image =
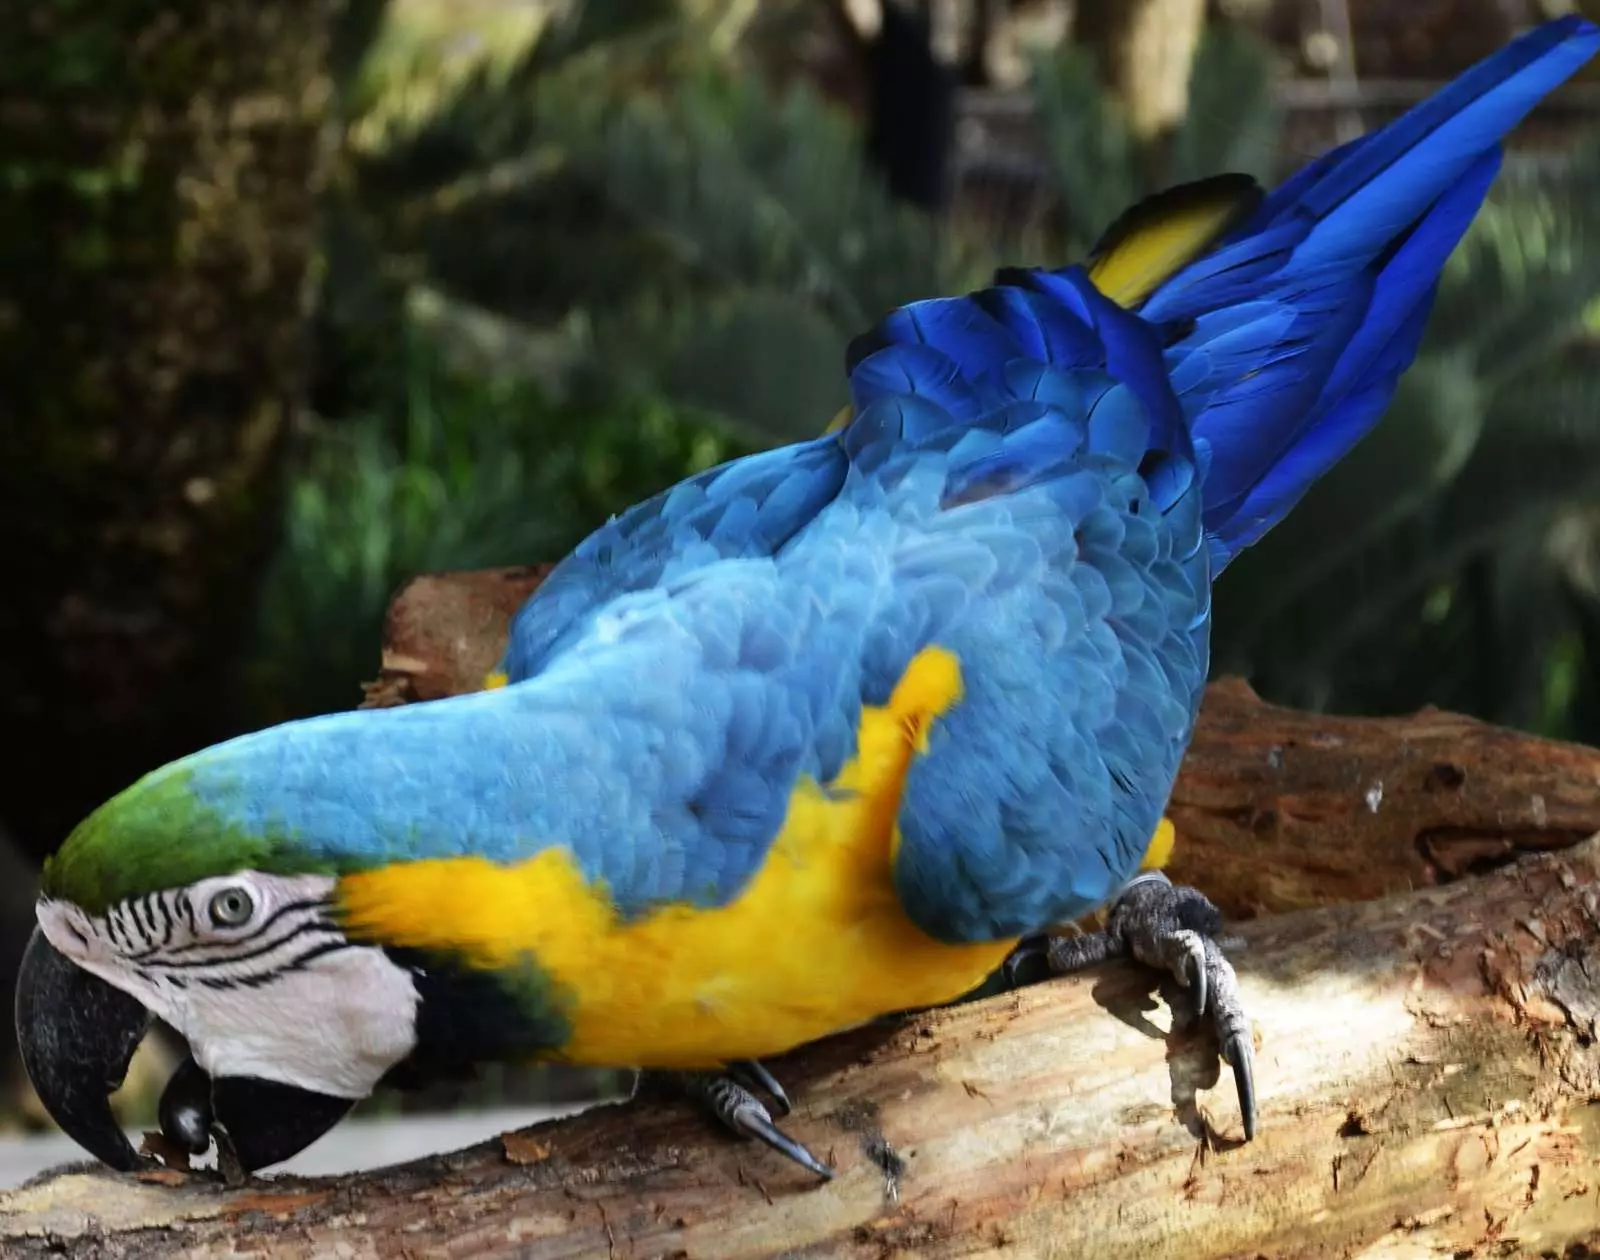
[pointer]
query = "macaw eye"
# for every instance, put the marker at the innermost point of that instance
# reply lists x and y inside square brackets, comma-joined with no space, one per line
[231,908]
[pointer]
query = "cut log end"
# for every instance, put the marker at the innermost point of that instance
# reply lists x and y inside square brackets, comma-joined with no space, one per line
[444,632]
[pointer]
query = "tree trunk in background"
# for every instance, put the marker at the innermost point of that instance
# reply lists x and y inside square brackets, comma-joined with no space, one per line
[162,163]
[912,119]
[1145,48]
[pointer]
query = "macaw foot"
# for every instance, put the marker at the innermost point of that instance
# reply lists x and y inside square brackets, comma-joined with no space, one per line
[731,1098]
[1174,928]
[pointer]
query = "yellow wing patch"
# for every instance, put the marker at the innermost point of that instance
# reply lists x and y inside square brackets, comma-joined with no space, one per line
[930,688]
[495,679]
[816,942]
[1161,845]
[1155,238]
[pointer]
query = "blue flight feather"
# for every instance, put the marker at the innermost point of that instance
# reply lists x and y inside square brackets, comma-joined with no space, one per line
[1352,246]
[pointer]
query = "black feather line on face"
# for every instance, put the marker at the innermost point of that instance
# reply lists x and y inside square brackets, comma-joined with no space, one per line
[167,921]
[114,927]
[262,979]
[317,927]
[266,925]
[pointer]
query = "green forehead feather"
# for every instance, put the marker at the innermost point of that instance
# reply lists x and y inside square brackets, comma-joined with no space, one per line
[159,834]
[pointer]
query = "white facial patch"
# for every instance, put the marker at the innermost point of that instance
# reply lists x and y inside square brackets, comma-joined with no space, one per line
[256,974]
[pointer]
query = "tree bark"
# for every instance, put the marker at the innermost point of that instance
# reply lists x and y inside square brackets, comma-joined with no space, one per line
[1428,1062]
[1278,809]
[1428,1067]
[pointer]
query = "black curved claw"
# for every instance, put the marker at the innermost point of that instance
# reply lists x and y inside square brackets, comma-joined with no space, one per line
[1028,963]
[1232,1027]
[739,1109]
[753,1075]
[1237,1052]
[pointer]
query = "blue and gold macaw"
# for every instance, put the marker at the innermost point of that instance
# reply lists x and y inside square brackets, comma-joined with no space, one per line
[822,734]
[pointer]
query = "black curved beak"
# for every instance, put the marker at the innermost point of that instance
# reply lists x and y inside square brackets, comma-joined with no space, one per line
[77,1035]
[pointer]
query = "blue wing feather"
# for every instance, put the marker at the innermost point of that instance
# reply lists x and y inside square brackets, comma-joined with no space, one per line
[748,507]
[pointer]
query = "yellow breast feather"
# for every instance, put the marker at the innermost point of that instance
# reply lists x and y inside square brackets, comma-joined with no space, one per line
[816,942]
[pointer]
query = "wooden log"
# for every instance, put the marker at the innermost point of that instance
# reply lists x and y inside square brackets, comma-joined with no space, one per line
[1279,810]
[1428,1063]
[444,632]
[1276,809]
[1428,1067]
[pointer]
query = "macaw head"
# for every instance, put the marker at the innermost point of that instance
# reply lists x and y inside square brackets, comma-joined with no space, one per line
[215,895]
[160,905]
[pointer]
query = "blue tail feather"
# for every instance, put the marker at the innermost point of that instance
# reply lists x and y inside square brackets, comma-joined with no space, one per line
[1368,371]
[1413,268]
[1349,251]
[1260,361]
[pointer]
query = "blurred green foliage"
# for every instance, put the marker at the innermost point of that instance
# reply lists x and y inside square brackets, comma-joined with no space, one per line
[576,278]
[651,216]
[467,472]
